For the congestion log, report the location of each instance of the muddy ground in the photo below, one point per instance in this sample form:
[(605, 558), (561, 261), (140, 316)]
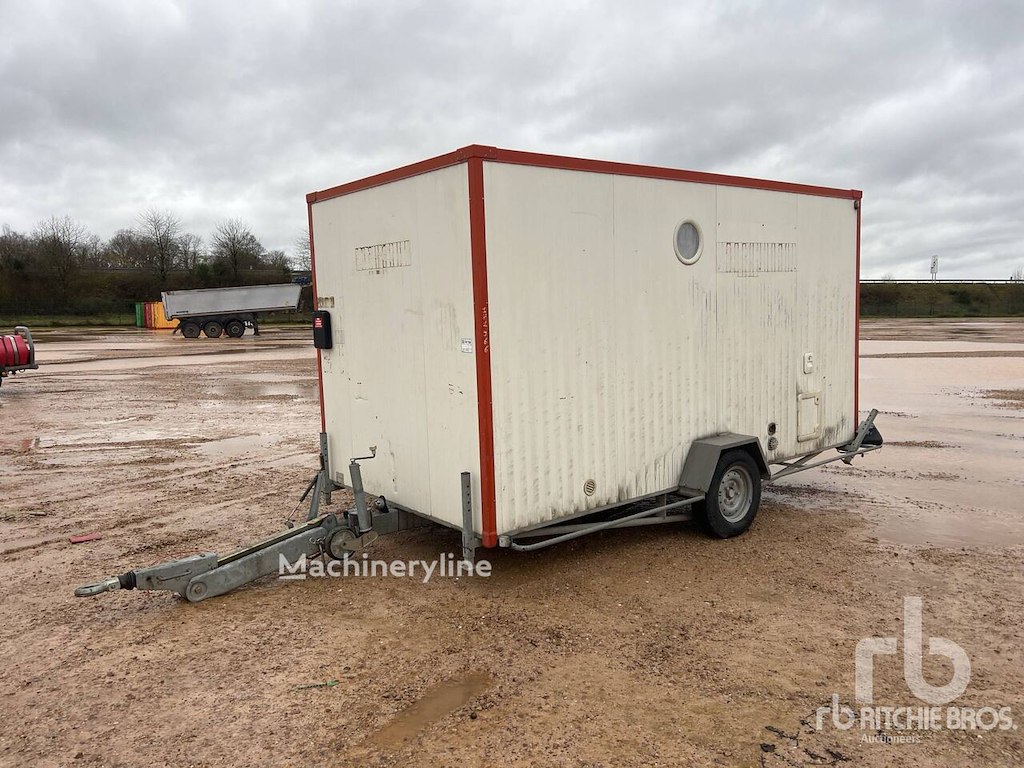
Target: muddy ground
[(649, 647)]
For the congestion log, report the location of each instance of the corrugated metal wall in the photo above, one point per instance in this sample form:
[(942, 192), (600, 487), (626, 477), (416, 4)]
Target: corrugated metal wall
[(393, 268), (609, 356)]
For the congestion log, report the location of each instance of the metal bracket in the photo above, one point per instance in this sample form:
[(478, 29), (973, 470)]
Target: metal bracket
[(26, 334), (847, 453), (323, 485), (363, 515), (582, 529), (470, 541), (862, 432)]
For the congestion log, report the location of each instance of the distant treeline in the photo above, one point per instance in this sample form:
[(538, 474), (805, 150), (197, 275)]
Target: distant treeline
[(60, 268), (895, 299)]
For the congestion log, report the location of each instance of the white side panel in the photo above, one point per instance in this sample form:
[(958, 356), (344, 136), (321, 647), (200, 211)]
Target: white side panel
[(602, 341), (826, 313), (786, 291), (757, 259), (395, 263), (609, 356)]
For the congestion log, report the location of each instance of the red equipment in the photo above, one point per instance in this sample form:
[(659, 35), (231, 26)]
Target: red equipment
[(17, 352)]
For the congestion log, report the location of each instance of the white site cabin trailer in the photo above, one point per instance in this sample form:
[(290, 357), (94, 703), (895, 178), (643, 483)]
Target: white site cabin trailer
[(527, 342), (531, 348)]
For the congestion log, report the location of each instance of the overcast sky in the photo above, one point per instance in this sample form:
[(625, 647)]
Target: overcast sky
[(236, 109)]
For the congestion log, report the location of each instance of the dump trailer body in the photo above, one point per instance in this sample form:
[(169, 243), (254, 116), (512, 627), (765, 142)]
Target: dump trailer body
[(214, 311), (225, 301), (564, 329)]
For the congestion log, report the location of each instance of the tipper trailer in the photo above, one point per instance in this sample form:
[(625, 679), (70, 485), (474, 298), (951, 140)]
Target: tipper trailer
[(216, 311), (530, 348)]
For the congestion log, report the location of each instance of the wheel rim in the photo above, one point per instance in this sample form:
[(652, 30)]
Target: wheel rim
[(735, 493)]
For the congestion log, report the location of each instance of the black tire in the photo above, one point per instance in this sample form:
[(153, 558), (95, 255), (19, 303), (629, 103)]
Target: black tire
[(190, 330), (733, 497), (235, 329), (213, 329)]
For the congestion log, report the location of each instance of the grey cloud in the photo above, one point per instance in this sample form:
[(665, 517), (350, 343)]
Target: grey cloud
[(231, 109)]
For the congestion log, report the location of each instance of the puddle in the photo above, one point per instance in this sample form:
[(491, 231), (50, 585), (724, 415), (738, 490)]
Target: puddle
[(212, 357), (233, 447), (948, 529), (889, 348), (305, 390), (106, 439), (432, 706), (923, 329), (950, 473)]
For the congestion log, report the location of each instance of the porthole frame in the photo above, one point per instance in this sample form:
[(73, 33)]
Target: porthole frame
[(683, 259)]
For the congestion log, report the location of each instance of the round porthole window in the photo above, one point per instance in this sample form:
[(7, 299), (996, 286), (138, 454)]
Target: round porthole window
[(688, 242)]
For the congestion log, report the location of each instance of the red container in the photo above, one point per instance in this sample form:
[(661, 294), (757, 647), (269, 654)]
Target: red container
[(13, 351)]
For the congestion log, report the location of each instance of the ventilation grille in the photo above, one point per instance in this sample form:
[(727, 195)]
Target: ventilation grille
[(750, 259), (374, 258)]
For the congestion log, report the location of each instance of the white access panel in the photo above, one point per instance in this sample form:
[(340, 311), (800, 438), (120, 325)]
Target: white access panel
[(393, 268)]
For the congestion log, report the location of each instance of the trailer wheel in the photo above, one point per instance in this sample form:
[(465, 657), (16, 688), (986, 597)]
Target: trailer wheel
[(213, 329), (235, 329), (734, 495), (190, 330)]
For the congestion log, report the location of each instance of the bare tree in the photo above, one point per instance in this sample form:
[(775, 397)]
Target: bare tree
[(1018, 274), (160, 232), (16, 256), (15, 250), (191, 250), (63, 246), (125, 250), (302, 257), (93, 254), (235, 245), (276, 259)]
